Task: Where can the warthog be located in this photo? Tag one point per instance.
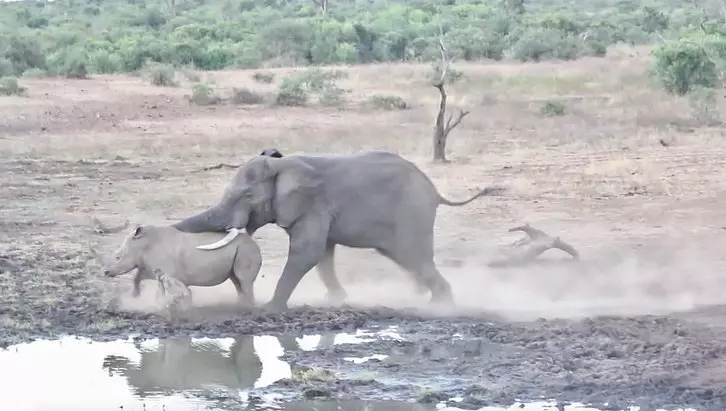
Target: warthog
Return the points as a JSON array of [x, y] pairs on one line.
[[154, 249]]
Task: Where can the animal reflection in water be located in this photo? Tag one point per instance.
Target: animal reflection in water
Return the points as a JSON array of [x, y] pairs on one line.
[[182, 364]]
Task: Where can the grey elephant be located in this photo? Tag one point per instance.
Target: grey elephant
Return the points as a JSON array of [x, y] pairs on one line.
[[165, 249], [374, 200], [275, 153]]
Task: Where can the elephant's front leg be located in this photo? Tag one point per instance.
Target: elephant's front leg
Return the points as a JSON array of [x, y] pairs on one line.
[[326, 270], [308, 240]]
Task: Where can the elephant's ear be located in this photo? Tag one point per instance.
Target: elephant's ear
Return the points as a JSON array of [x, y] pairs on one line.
[[297, 185]]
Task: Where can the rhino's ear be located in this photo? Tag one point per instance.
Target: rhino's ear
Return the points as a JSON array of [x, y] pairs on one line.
[[138, 232]]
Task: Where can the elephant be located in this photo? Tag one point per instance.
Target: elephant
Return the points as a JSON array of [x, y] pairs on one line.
[[166, 250], [376, 200], [273, 152]]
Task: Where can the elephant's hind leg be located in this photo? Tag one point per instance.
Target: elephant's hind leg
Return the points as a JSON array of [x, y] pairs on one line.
[[326, 270], [417, 258]]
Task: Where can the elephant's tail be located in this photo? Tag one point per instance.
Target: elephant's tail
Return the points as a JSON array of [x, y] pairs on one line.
[[491, 190]]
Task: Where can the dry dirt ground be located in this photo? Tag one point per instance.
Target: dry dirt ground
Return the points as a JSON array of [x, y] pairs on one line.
[[625, 175]]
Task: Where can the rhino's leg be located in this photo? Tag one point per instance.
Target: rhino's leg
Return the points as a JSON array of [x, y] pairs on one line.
[[245, 292]]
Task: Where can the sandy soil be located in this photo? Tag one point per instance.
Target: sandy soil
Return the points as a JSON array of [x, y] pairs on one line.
[[625, 175]]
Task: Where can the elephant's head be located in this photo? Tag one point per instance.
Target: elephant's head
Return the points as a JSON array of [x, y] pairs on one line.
[[264, 190]]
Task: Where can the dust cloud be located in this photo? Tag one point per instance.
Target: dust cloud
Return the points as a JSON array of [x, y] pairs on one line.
[[617, 282]]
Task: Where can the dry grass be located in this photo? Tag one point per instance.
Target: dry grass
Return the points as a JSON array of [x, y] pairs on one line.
[[116, 147]]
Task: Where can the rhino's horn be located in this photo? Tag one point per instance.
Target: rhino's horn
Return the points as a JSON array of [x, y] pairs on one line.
[[232, 233]]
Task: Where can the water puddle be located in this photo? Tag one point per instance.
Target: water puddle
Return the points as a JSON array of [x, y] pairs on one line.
[[172, 374], [181, 374]]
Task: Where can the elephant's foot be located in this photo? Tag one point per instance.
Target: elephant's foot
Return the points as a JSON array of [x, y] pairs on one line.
[[274, 307], [442, 298], [421, 288], [114, 304], [336, 297]]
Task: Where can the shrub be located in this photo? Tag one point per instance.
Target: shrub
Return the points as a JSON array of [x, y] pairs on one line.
[[203, 95], [704, 105], [681, 66], [9, 87], [452, 75], [295, 90], [6, 67], [552, 109], [264, 78], [35, 73], [69, 63], [388, 102], [244, 96], [291, 93], [161, 75], [104, 62], [542, 44], [332, 97]]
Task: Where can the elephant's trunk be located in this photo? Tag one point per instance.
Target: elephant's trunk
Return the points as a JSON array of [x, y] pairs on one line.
[[207, 221]]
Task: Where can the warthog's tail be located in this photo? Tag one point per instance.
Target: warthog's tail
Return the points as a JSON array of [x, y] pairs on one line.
[[232, 233], [491, 190]]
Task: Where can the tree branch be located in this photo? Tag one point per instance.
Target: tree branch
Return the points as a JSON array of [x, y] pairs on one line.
[[450, 126], [536, 243], [442, 128], [217, 167]]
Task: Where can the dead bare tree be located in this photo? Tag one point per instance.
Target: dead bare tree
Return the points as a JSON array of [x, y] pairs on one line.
[[323, 4], [441, 128], [171, 7], [536, 243]]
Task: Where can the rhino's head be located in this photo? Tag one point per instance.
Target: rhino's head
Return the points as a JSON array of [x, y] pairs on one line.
[[130, 254]]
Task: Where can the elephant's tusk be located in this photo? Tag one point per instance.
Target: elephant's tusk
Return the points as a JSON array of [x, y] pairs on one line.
[[232, 233]]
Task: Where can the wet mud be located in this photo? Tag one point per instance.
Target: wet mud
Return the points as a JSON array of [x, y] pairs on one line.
[[49, 289], [653, 362]]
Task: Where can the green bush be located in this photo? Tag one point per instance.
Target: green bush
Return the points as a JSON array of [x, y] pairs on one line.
[[452, 75], [203, 95], [704, 106], [291, 93], [6, 67], [332, 97], [104, 62], [161, 75], [296, 89], [35, 73], [264, 78], [69, 63], [388, 103], [552, 109], [681, 66], [121, 36], [9, 87], [243, 96], [545, 44]]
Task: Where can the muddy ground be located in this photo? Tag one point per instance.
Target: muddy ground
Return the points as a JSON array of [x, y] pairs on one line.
[[626, 176]]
